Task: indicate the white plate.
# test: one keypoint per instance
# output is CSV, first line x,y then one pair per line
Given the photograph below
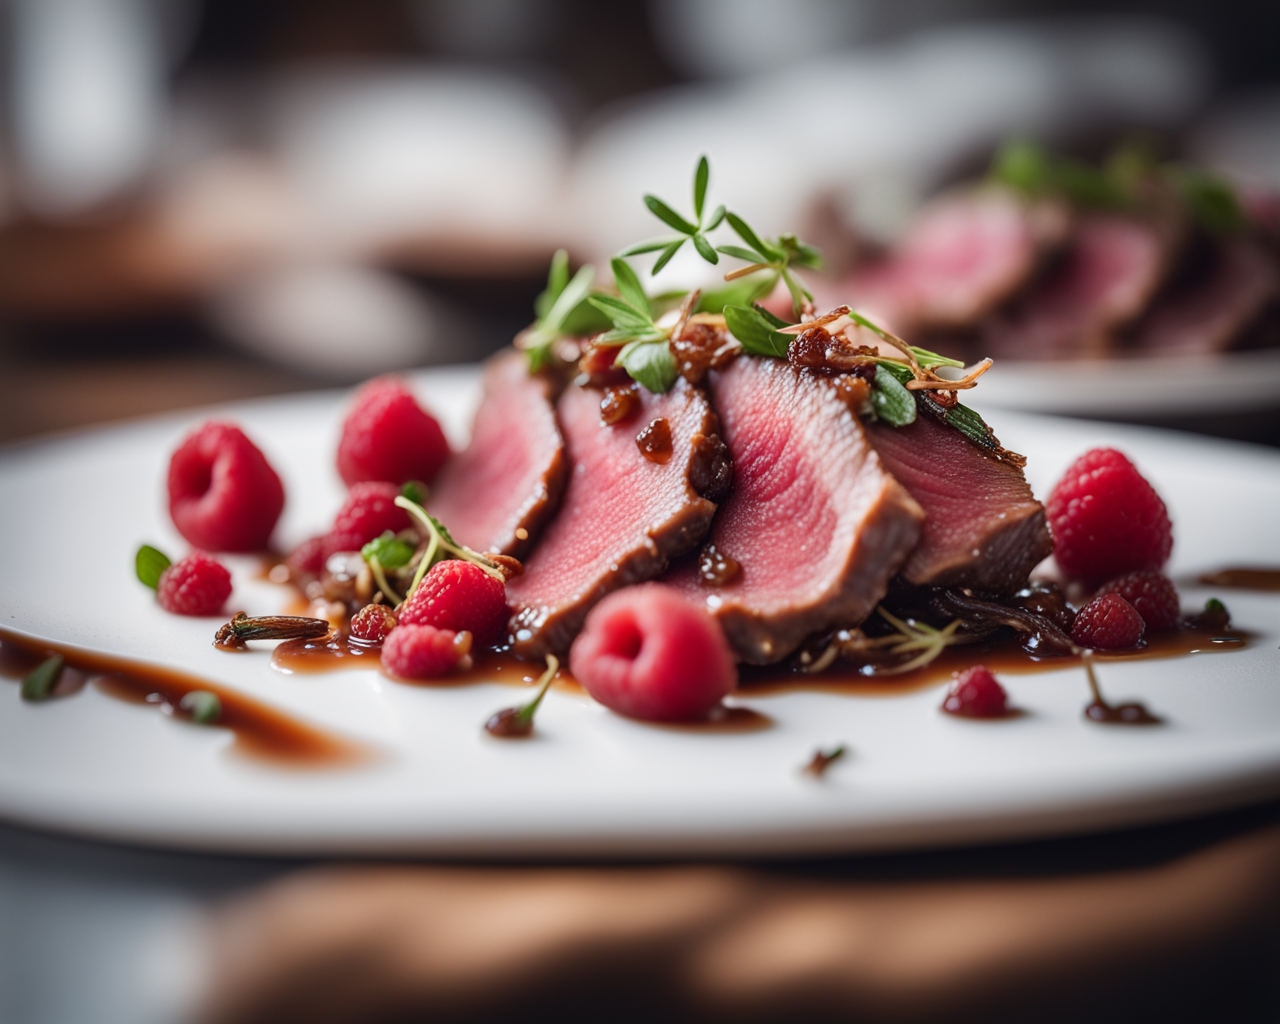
x,y
72,512
1232,382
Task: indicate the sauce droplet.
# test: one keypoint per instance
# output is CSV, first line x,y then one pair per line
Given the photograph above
x,y
619,403
1120,714
716,568
654,441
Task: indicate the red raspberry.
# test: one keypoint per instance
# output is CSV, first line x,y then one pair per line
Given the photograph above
x,y
223,494
388,437
975,693
648,653
1152,594
424,652
372,623
1106,623
370,509
197,585
307,559
459,595
1107,520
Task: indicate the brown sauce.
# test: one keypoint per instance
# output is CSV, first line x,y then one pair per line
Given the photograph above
x,y
260,731
1244,578
654,441
619,403
723,719
715,568
333,653
1006,658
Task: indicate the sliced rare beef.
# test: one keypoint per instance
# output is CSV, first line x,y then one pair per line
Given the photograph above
x,y
624,515
983,528
1106,279
499,492
965,254
815,523
1210,312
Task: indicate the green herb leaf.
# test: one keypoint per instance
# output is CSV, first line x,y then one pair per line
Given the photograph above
x,y
42,679
149,563
1210,200
551,325
717,215
669,216
748,235
891,401
388,551
557,278
653,245
740,253
416,491
970,424
628,285
1023,165
623,314
651,364
741,292
930,360
705,249
1214,605
204,707
756,334
667,253
443,530
700,177
775,321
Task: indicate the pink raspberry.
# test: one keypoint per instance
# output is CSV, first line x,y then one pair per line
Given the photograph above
x,y
197,585
459,595
223,494
1152,594
307,559
1108,622
370,509
424,652
975,693
1107,519
648,653
373,623
387,436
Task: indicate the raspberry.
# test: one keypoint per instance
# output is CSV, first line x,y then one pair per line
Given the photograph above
x,y
424,652
307,559
369,510
975,693
372,623
197,585
648,653
1152,594
1107,520
388,437
1106,623
223,494
459,595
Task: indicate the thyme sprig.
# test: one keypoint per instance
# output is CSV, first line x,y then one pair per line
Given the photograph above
x,y
918,642
780,255
440,543
694,231
562,296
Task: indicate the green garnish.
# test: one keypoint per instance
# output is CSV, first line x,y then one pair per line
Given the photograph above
x,y
1214,605
416,491
823,759
695,231
510,723
779,255
204,707
645,354
891,401
42,679
388,550
757,330
149,563
441,544
562,297
1210,199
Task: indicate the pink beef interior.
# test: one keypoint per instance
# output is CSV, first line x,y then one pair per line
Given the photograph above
x,y
623,517
814,520
511,475
983,527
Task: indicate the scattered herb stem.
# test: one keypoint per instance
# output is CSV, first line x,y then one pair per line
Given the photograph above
x,y
440,539
510,723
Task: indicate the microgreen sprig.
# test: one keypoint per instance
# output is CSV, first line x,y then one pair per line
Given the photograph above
x,y
149,563
440,540
562,296
386,552
694,231
511,723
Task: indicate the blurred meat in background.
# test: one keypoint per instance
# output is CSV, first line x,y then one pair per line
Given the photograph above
x,y
205,200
